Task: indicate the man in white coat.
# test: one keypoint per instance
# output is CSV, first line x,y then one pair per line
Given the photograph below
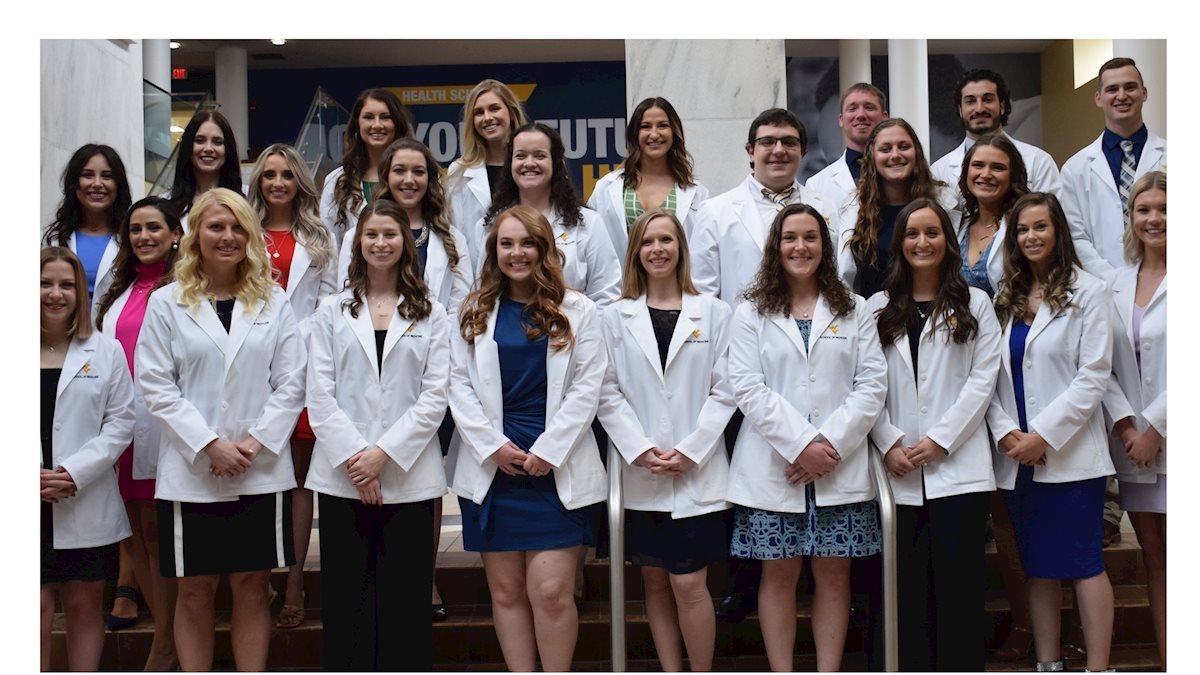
x,y
983,103
1096,180
731,228
863,106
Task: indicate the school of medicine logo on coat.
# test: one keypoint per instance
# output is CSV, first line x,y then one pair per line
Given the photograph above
x,y
694,338
696,334
833,328
87,368
410,332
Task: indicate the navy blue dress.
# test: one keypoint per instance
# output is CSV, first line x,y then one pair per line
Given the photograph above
x,y
522,513
1059,526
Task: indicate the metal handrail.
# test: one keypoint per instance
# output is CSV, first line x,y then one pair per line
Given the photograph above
x,y
887,522
616,557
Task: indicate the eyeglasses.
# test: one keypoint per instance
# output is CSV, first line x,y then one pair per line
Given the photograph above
x,y
768,142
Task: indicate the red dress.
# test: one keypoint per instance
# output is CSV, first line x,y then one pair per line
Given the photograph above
x,y
281,245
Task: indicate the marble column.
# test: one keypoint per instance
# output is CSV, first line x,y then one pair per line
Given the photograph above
x,y
1151,58
908,85
232,94
718,87
156,63
854,63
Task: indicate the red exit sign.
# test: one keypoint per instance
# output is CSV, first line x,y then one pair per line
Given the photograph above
x,y
179,73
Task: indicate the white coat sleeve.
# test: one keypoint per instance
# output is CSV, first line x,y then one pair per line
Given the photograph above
x,y
408,436
1074,191
343,260
603,267
288,364
462,278
328,208
614,411
706,254
698,446
883,433
1072,409
328,420
581,397
780,423
970,406
846,428
99,455
156,373
472,422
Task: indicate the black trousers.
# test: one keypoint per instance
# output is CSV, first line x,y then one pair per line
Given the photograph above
x,y
376,581
942,579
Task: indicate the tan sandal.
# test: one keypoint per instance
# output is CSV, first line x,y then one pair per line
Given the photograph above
x,y
291,616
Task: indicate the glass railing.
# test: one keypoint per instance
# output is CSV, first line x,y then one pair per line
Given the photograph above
x,y
320,139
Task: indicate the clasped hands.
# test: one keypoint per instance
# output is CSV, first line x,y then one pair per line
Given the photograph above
x,y
816,461
231,459
901,459
1027,448
1141,447
668,463
516,462
56,485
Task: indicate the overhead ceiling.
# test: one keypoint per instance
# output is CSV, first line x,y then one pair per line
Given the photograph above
x,y
262,55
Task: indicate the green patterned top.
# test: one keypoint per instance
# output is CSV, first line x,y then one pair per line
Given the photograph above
x,y
634,209
368,188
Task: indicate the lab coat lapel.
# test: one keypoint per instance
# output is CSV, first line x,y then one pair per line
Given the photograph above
x,y
688,326
300,261
437,262
364,331
239,327
77,359
637,322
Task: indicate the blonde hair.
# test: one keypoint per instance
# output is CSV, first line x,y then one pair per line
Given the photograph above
x,y
474,150
633,282
1135,250
81,318
307,227
254,272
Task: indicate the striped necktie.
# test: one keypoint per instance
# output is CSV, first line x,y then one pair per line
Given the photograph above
x,y
780,198
1128,170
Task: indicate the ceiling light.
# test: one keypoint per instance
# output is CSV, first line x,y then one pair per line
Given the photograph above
x,y
176,129
174,44
278,42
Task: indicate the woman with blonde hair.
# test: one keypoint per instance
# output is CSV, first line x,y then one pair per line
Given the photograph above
x,y
221,364
1136,401
489,116
667,348
86,422
526,368
303,261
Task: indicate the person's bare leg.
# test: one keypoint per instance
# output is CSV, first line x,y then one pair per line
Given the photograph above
x,y
549,582
697,618
1045,607
511,614
831,610
1151,529
1095,599
302,517
194,623
1011,575
83,603
162,598
48,593
124,608
777,610
664,624
250,625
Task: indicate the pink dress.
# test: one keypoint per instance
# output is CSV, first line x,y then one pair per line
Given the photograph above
x,y
129,325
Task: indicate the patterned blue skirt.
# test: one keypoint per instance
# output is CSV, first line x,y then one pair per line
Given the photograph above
x,y
842,531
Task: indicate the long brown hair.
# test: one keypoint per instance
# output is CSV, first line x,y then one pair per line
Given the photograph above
x,y
1018,176
633,282
543,314
347,193
125,264
770,293
952,305
414,294
433,204
865,238
1013,299
678,160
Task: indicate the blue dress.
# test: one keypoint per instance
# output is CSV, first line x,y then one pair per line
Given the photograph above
x,y
522,513
977,274
1059,526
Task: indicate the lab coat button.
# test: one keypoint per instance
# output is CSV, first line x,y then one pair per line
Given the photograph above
x,y
1028,364
58,427
224,405
812,378
924,410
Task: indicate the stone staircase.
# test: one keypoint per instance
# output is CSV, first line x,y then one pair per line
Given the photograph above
x,y
467,640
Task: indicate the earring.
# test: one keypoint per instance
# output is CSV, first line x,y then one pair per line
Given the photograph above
x,y
175,245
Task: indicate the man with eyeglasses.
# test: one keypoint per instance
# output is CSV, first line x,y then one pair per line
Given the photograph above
x,y
984,103
727,243
863,106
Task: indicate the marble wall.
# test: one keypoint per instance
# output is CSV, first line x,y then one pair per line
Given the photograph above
x,y
710,84
91,92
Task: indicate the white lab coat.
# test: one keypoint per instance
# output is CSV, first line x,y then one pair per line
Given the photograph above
x,y
146,435
948,404
447,286
183,217
590,263
1140,393
328,208
93,424
352,406
105,271
848,216
1093,206
608,200
727,241
202,383
685,408
307,285
469,196
792,396
1039,167
834,183
573,379
1068,361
